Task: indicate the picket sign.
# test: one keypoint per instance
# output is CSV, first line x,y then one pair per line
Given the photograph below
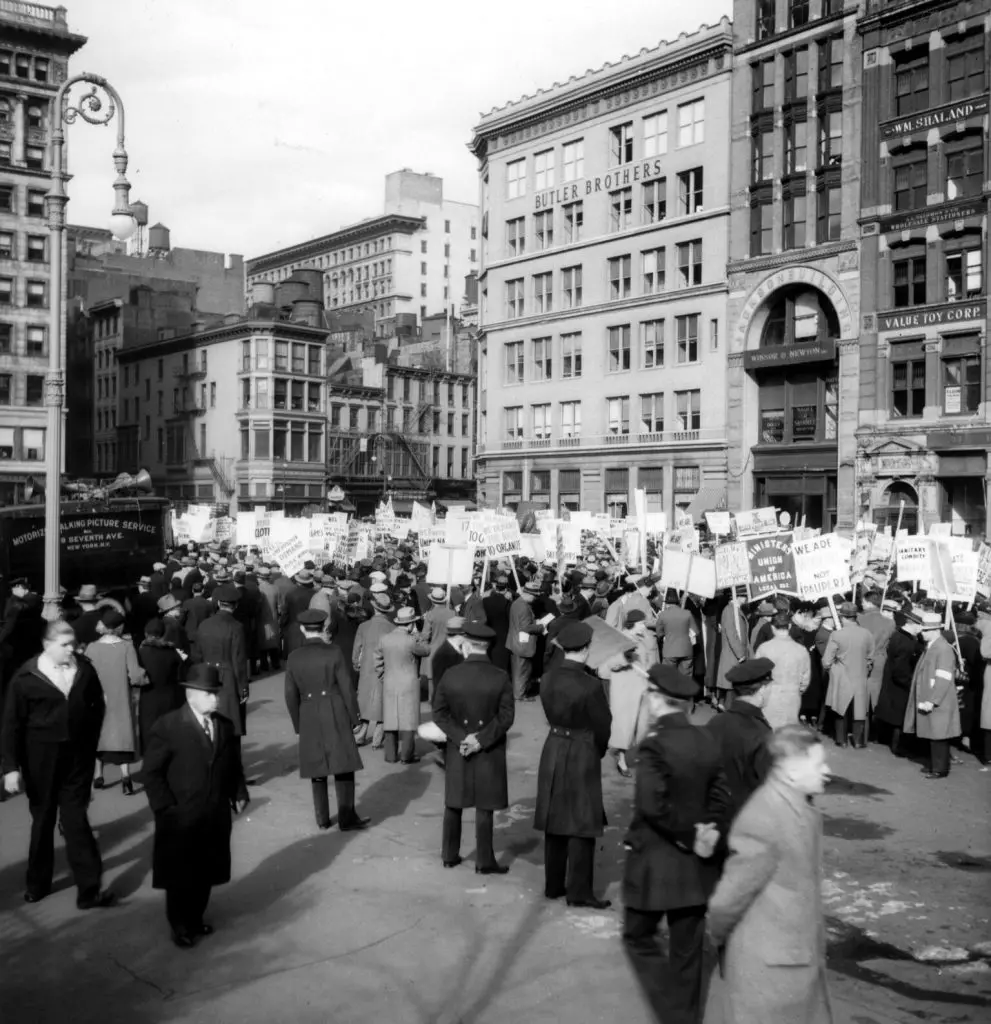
x,y
984,571
291,554
732,565
719,523
688,573
913,561
428,537
756,521
822,566
450,565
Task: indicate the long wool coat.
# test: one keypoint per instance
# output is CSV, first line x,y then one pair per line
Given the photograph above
x,y
366,641
848,658
395,665
790,678
475,697
116,663
164,668
734,645
881,628
767,908
221,642
934,680
323,708
190,784
904,651
627,685
569,778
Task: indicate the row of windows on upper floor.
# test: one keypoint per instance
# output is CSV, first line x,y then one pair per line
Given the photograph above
x,y
617,280
922,276
34,201
963,74
26,66
796,215
652,208
395,416
795,71
794,14
35,342
625,146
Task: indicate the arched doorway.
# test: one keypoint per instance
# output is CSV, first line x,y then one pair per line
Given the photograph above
x,y
794,365
887,513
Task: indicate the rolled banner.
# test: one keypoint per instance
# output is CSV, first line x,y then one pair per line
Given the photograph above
x,y
431,732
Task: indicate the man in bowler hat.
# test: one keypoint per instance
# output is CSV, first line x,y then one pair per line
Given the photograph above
x,y
473,704
193,779
324,711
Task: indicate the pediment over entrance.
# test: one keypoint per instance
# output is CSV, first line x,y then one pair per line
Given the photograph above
x,y
898,457
895,446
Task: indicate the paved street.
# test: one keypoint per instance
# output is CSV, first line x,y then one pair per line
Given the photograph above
x,y
369,926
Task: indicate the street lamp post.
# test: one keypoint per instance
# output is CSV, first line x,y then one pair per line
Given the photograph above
x,y
97,106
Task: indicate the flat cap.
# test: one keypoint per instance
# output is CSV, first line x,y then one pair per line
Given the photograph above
x,y
633,617
227,594
668,680
750,671
574,636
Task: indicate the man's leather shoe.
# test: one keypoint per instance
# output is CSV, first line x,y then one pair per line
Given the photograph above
x,y
453,863
183,940
935,775
593,903
553,895
106,898
34,897
492,869
354,824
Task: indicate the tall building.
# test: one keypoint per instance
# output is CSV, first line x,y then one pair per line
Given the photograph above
x,y
402,265
925,396
602,286
793,360
35,46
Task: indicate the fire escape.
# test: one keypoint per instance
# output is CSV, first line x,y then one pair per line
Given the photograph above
x,y
221,467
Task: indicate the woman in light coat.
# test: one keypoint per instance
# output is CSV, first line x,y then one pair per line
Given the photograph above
x,y
116,663
767,909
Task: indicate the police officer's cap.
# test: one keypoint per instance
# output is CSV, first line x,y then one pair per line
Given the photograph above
x,y
227,594
749,672
477,631
312,617
668,680
575,636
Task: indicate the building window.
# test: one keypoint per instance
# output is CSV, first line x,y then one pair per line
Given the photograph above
x,y
796,146
829,218
33,445
514,362
5,391
543,229
621,209
6,339
690,191
830,138
7,198
281,357
909,281
908,385
35,116
543,170
213,394
653,270
965,168
542,361
761,225
423,291
962,382
514,421
35,393
912,84
573,160
688,338
762,146
514,298
574,219
617,492
797,75
571,419
541,415
37,293
571,355
515,237
831,64
619,348
652,342
762,74
765,19
571,287
618,415
691,123
543,292
423,247
655,134
36,203
299,359
689,415
965,66
652,413
713,335
619,277
621,144
447,227
794,222
655,204
690,263
798,13
964,273
34,157
37,341
6,245
516,178
5,153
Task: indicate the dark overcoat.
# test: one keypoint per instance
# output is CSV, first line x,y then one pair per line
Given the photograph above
x,y
195,611
221,642
324,709
496,608
475,697
444,658
296,601
680,783
742,733
164,668
569,778
191,784
904,651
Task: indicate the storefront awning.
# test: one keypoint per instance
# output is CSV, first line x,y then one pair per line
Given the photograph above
x,y
711,498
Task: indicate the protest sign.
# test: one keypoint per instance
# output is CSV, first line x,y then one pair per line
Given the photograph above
x,y
940,529
772,565
568,547
501,538
883,547
732,565
263,534
532,546
984,571
687,571
914,560
756,521
430,535
944,581
821,566
656,523
244,529
224,529
719,523
450,565
421,516
290,553
965,567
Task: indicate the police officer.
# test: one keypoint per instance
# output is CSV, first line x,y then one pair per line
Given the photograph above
x,y
569,807
473,705
324,711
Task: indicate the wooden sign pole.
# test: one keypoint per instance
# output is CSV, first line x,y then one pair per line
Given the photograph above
x,y
838,622
891,553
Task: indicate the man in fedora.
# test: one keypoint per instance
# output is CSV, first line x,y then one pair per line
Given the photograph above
x,y
221,642
366,641
193,779
848,656
435,628
522,639
296,601
324,712
396,667
170,610
85,624
473,705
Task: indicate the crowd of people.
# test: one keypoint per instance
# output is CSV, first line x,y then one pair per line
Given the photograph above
x,y
721,814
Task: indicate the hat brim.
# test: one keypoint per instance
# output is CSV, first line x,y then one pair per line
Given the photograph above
x,y
195,684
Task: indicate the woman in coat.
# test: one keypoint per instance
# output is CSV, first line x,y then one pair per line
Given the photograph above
x,y
626,674
767,909
116,663
904,651
367,679
396,668
163,664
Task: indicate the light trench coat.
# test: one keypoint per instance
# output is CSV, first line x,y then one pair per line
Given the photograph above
x,y
395,666
627,685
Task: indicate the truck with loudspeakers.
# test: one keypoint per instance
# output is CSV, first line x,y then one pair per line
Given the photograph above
x,y
110,534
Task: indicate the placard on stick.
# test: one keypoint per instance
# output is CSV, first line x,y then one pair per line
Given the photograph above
x,y
450,565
